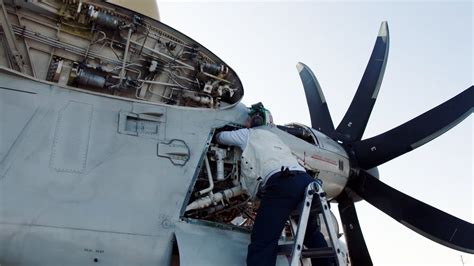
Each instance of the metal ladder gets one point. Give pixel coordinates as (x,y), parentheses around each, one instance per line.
(296,249)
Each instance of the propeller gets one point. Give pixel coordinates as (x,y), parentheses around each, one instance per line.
(353,233)
(422,218)
(414,133)
(316,101)
(355,120)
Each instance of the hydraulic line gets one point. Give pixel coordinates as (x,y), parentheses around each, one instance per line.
(209,177)
(122,72)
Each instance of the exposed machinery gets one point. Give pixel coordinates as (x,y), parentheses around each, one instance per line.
(108,153)
(101,48)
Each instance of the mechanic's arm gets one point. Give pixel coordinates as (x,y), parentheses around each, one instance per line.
(237,138)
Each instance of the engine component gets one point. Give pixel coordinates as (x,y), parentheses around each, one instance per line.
(87,78)
(113,51)
(209,86)
(219,154)
(209,175)
(79,7)
(201,99)
(153,66)
(54,70)
(217,197)
(214,69)
(104,19)
(225,89)
(227,200)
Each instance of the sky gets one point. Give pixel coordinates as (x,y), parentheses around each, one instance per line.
(430,60)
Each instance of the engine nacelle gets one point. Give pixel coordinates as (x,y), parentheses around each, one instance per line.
(319,154)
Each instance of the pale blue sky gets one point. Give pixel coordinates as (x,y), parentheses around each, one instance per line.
(430,60)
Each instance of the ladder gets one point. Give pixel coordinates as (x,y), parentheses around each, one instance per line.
(296,249)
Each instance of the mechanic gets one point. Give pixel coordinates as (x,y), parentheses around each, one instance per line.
(271,172)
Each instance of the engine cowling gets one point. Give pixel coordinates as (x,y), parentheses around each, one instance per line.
(320,155)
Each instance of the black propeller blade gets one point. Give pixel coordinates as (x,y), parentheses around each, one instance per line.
(355,120)
(358,251)
(414,133)
(318,108)
(424,219)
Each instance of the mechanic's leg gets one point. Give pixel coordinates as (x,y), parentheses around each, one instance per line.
(282,195)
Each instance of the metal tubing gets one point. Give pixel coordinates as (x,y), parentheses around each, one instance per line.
(58,44)
(209,176)
(124,61)
(208,200)
(164,55)
(10,37)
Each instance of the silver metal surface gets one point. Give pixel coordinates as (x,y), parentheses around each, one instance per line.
(100,156)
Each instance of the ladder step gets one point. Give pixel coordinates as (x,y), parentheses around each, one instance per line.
(328,252)
(318,253)
(296,212)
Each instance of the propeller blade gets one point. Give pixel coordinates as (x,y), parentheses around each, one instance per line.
(358,251)
(318,108)
(414,133)
(355,120)
(422,218)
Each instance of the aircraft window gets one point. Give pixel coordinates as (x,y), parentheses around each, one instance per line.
(300,132)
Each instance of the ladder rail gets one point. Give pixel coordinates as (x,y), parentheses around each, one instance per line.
(314,189)
(303,223)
